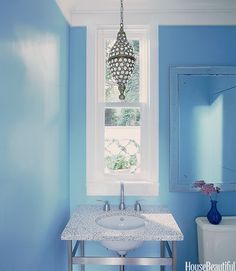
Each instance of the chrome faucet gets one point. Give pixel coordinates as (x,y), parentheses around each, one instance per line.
(122,197)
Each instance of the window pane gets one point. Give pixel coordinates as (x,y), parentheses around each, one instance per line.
(122,117)
(132,88)
(122,150)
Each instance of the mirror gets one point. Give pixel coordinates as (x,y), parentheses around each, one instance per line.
(202,127)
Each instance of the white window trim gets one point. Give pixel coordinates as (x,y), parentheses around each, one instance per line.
(101,184)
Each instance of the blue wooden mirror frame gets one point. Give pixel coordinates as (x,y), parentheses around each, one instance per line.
(176,184)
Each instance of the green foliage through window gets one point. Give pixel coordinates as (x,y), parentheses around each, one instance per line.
(117,162)
(122,117)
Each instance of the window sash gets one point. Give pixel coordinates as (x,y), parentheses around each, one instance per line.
(143,146)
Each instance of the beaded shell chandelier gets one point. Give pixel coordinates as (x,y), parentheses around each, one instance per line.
(121,59)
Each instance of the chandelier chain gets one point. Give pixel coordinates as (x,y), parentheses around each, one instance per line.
(121,14)
(121,58)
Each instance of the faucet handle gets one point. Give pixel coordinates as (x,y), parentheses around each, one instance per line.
(106,206)
(137,206)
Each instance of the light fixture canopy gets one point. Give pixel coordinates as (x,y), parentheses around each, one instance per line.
(121,58)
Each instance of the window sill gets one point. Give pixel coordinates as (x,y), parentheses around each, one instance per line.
(140,188)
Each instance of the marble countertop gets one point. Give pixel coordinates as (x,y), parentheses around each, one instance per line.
(160,225)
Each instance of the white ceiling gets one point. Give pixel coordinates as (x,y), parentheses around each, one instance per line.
(72,8)
(102,5)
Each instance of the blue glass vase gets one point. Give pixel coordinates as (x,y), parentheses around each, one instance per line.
(213,216)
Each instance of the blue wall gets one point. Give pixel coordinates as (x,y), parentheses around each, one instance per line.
(77,103)
(178,46)
(190,46)
(34,181)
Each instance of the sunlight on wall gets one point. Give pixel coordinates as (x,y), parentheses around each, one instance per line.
(209,142)
(202,120)
(217,139)
(34,142)
(40,55)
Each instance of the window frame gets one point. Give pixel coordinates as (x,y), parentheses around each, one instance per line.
(99,183)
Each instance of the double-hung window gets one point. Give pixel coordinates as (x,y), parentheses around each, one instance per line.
(122,135)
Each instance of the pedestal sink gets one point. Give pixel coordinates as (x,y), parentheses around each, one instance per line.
(121,223)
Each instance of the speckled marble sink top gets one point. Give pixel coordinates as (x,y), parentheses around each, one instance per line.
(160,225)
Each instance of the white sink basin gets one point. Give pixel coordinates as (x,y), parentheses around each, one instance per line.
(121,223)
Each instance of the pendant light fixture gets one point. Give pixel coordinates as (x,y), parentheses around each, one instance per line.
(121,58)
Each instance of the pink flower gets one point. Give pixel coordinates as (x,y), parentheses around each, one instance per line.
(198,184)
(206,188)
